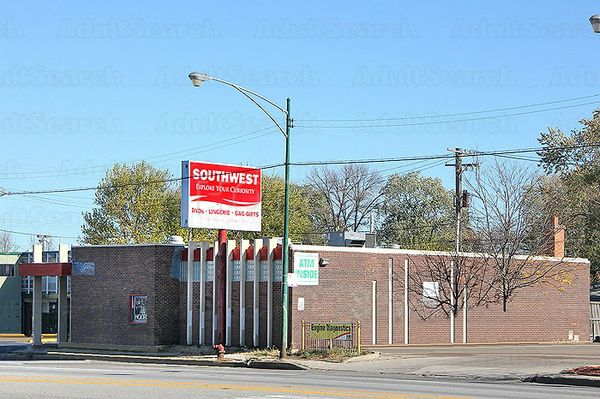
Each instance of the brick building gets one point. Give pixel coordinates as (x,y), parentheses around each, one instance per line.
(136,295)
(356,276)
(112,277)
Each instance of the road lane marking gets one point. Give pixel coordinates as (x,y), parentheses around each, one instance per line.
(212,386)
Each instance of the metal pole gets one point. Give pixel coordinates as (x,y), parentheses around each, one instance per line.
(358,336)
(284,244)
(303,331)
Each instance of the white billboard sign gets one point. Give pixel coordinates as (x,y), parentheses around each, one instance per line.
(219,196)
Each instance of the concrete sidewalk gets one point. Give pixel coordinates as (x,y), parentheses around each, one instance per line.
(521,362)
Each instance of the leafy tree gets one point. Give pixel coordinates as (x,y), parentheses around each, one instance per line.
(344,199)
(573,161)
(300,224)
(141,204)
(417,212)
(134,204)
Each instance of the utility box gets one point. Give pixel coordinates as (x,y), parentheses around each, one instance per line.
(351,239)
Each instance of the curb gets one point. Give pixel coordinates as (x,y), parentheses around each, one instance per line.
(364,358)
(256,364)
(138,359)
(273,365)
(562,379)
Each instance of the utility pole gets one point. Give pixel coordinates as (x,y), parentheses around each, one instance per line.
(461,200)
(44,239)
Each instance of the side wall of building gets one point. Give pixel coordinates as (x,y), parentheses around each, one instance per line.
(10,296)
(101,307)
(540,313)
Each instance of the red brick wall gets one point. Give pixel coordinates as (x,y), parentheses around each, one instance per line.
(100,312)
(100,303)
(540,313)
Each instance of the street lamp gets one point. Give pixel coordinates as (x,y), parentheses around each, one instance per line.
(199,78)
(595,21)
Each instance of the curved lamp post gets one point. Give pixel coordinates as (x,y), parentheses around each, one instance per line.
(199,78)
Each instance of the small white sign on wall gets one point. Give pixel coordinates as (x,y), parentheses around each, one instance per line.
(300,303)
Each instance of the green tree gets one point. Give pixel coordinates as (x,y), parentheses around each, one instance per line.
(573,163)
(417,212)
(301,227)
(141,204)
(134,204)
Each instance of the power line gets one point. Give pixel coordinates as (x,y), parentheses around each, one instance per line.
(446,121)
(140,183)
(99,168)
(35,234)
(519,158)
(372,160)
(454,114)
(318,163)
(445,156)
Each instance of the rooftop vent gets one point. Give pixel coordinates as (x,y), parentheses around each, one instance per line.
(351,239)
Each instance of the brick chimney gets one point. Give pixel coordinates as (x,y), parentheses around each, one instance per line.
(556,239)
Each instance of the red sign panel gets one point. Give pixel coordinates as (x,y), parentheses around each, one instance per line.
(218,196)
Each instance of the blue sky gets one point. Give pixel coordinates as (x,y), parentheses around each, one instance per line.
(84,85)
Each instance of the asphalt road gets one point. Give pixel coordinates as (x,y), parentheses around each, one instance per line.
(87,379)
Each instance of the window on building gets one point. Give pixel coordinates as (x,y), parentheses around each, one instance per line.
(27,284)
(138,308)
(52,284)
(7,270)
(431,293)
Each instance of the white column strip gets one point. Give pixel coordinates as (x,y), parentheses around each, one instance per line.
(202,312)
(256,296)
(390,303)
(214,293)
(244,244)
(190,289)
(374,313)
(452,330)
(229,290)
(406,314)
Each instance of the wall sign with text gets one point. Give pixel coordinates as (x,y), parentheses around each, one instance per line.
(138,308)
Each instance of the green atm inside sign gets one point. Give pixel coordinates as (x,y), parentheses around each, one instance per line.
(306,268)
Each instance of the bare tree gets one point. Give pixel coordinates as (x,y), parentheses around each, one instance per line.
(343,199)
(510,220)
(7,243)
(430,283)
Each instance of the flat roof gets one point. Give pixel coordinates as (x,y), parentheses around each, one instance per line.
(399,251)
(127,245)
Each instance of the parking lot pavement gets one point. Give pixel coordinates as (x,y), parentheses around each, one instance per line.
(498,362)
